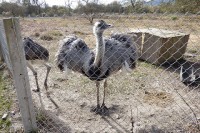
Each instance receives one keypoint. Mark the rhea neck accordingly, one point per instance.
(100, 49)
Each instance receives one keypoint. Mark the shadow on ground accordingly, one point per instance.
(47, 122)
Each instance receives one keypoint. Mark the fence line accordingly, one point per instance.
(15, 59)
(155, 91)
(4, 47)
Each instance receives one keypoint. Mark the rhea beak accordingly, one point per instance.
(106, 26)
(110, 26)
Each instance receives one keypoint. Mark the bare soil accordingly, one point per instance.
(148, 94)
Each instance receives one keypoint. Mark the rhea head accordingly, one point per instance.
(100, 26)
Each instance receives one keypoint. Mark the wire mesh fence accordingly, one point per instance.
(160, 94)
(7, 96)
(13, 53)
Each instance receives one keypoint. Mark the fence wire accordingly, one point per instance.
(9, 108)
(161, 94)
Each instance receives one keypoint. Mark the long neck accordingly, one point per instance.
(100, 49)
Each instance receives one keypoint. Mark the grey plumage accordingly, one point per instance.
(72, 53)
(76, 55)
(190, 74)
(111, 55)
(34, 51)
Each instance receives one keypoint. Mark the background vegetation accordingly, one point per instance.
(35, 8)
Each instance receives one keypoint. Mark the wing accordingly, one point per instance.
(120, 51)
(34, 51)
(73, 54)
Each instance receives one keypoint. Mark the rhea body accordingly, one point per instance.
(190, 74)
(34, 51)
(110, 55)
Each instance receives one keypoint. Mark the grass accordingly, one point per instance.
(5, 104)
(55, 33)
(46, 37)
(49, 36)
(174, 18)
(79, 33)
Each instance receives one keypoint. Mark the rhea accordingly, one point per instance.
(34, 51)
(111, 55)
(190, 75)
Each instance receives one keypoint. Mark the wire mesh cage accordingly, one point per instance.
(147, 72)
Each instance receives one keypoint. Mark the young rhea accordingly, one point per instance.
(34, 51)
(111, 55)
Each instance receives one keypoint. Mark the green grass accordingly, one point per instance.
(174, 18)
(5, 104)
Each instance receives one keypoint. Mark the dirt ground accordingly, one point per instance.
(150, 95)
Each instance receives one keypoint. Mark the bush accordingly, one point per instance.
(37, 34)
(46, 37)
(174, 18)
(55, 33)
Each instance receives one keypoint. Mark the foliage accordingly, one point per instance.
(13, 8)
(90, 8)
(183, 6)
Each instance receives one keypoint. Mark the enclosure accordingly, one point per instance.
(151, 98)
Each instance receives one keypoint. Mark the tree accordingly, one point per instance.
(130, 2)
(183, 6)
(13, 8)
(38, 4)
(68, 4)
(114, 7)
(136, 5)
(88, 8)
(133, 3)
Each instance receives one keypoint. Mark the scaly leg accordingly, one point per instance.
(97, 109)
(35, 74)
(98, 86)
(104, 109)
(67, 72)
(47, 74)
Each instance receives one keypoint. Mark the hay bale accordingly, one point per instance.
(159, 46)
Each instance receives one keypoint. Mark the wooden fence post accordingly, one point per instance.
(1, 54)
(20, 75)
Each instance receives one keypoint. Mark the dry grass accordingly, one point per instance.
(149, 89)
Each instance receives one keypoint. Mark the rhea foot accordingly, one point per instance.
(36, 90)
(101, 110)
(104, 110)
(97, 109)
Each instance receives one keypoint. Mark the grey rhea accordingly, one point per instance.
(190, 74)
(111, 55)
(34, 51)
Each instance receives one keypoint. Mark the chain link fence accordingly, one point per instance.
(161, 94)
(8, 108)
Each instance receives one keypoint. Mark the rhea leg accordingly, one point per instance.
(97, 109)
(35, 74)
(47, 74)
(67, 72)
(104, 109)
(104, 92)
(98, 86)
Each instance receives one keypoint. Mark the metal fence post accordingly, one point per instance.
(20, 75)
